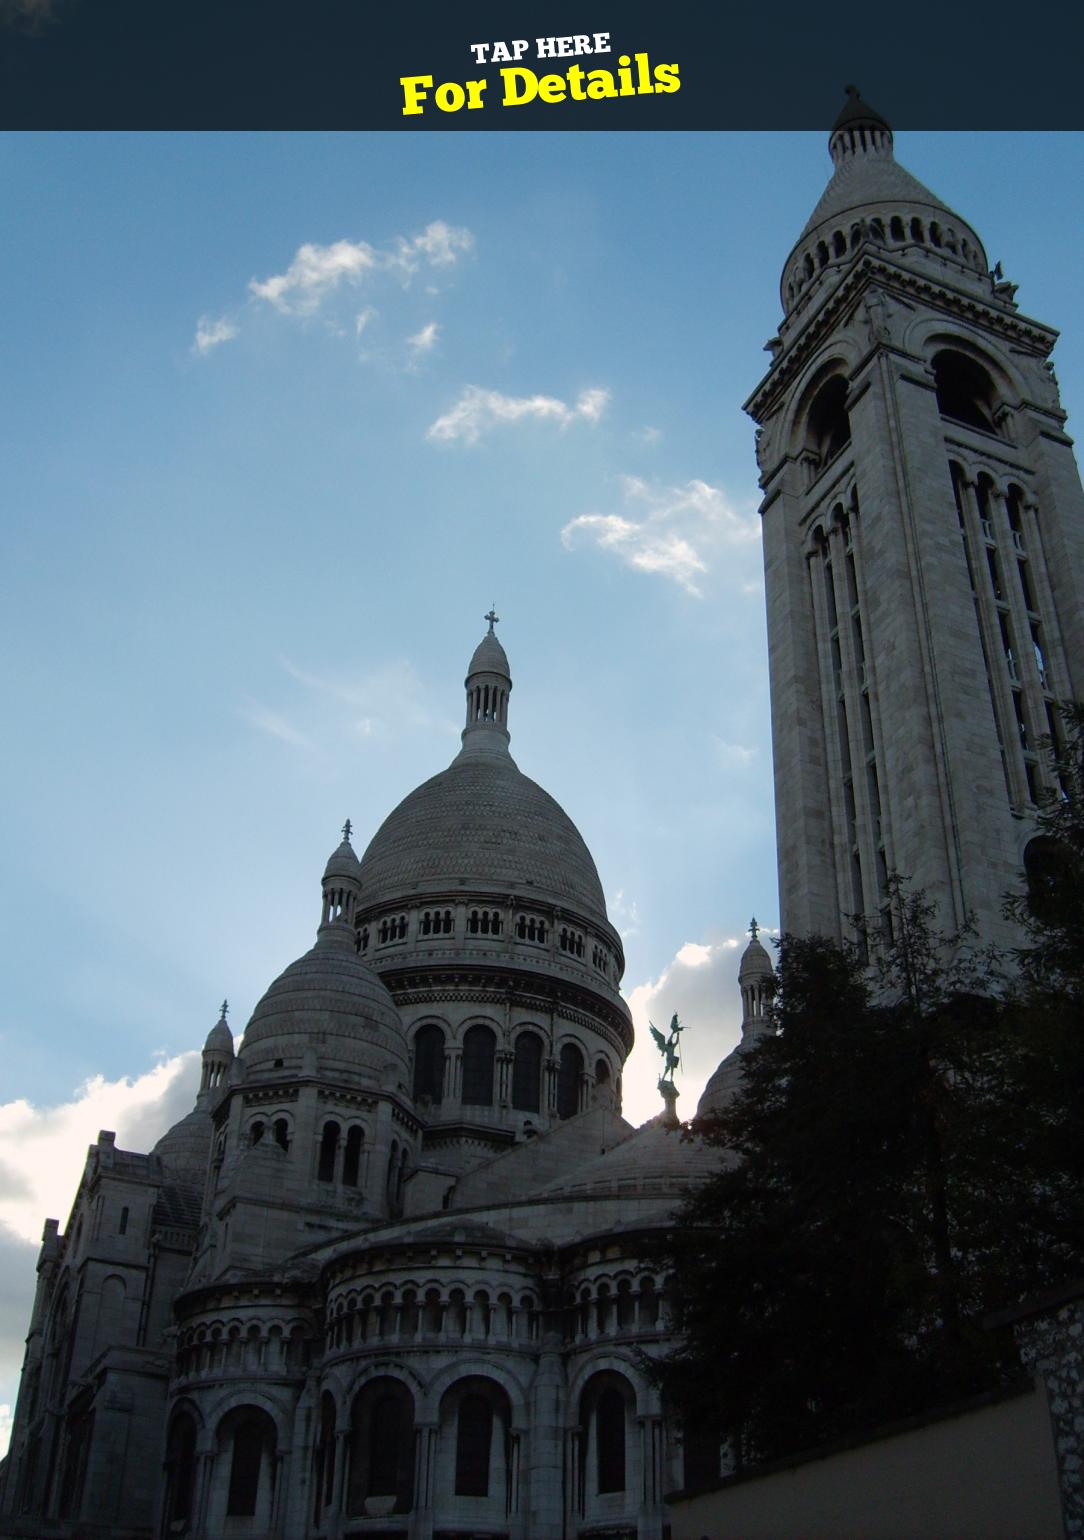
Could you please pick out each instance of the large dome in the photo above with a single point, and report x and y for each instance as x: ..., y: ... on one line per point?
x: 483, y: 821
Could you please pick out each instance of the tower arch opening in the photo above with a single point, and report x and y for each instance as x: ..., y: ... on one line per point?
x: 828, y: 426
x: 965, y: 390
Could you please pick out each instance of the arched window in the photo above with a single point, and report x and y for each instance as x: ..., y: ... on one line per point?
x: 324, y: 1458
x: 252, y: 1463
x: 828, y: 428
x: 474, y: 1433
x: 475, y: 1424
x: 1051, y: 880
x: 479, y: 1046
x: 391, y: 1185
x: 606, y: 1408
x: 602, y: 1072
x: 568, y: 1081
x: 352, y: 1157
x: 527, y: 1073
x: 180, y: 1473
x: 381, y: 1447
x: 329, y: 1146
x: 965, y: 392
x: 429, y: 1063
x: 282, y: 1133
x: 610, y: 1439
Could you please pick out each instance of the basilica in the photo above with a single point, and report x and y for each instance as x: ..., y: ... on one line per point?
x: 392, y: 1276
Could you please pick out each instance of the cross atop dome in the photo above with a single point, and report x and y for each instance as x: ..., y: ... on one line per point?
x: 347, y: 826
x: 225, y: 1009
x: 753, y: 927
x: 493, y: 618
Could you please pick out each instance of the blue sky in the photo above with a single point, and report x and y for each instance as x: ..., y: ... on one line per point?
x: 281, y: 417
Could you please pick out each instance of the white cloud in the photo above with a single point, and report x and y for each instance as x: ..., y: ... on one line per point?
x: 733, y: 756
x: 640, y: 546
x: 380, y: 706
x: 45, y: 1147
x: 439, y: 244
x: 362, y: 319
x: 624, y: 914
x: 649, y: 435
x: 318, y: 271
x: 679, y: 528
x: 275, y: 725
x: 479, y: 410
x: 211, y: 334
x: 424, y: 340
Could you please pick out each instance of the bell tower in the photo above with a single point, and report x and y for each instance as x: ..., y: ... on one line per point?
x: 924, y: 554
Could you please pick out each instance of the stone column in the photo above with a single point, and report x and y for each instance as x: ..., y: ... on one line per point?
x: 425, y: 1468
x: 991, y: 640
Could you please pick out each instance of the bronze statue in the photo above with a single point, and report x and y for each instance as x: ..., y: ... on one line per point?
x: 670, y: 1048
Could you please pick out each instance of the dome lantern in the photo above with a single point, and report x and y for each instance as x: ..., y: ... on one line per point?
x: 488, y: 685
x: 341, y: 887
x: 756, y: 979
x: 217, y: 1052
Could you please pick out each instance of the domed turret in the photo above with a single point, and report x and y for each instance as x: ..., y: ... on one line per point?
x: 341, y: 886
x: 488, y: 685
x: 329, y: 1001
x: 217, y: 1053
x: 756, y: 979
x: 183, y: 1149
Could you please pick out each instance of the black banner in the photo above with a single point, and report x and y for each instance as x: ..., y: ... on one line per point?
x: 585, y: 66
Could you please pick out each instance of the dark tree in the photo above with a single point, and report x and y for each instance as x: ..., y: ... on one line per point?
x: 882, y: 1188
x: 1051, y: 909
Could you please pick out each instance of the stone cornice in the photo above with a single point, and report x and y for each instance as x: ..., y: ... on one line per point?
x: 840, y: 304
x: 501, y: 986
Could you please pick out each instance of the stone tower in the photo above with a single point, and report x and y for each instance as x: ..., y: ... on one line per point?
x: 924, y: 554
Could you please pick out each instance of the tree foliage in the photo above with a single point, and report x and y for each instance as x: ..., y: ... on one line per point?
x: 1050, y: 912
x: 896, y: 1165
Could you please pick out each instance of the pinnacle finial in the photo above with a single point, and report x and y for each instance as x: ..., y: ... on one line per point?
x: 493, y: 618
x: 225, y: 1009
x: 753, y: 927
x: 347, y: 826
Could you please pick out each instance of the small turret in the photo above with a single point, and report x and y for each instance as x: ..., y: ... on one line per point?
x: 488, y: 684
x: 756, y: 979
x: 217, y: 1053
x: 859, y: 130
x: 341, y: 889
